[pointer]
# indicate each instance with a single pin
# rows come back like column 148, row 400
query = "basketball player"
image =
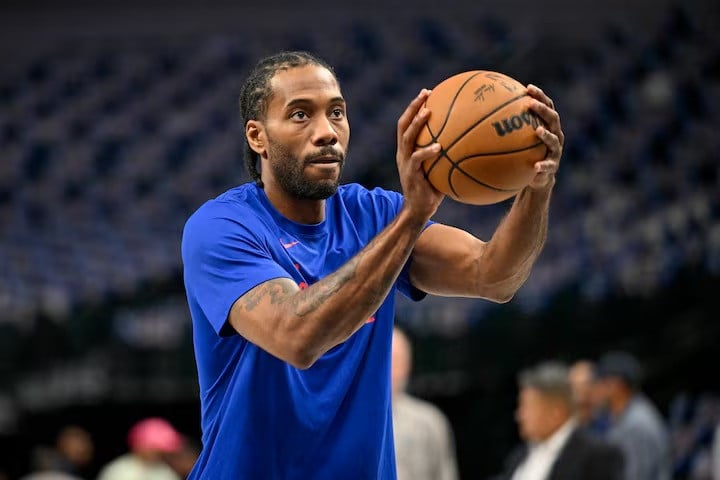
column 291, row 280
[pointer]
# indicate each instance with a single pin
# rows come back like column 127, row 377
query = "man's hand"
column 420, row 196
column 551, row 134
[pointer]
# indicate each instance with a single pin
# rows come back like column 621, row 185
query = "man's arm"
column 449, row 261
column 298, row 326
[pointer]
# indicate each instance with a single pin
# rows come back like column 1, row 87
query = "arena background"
column 119, row 118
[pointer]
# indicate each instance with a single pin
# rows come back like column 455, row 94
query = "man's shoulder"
column 356, row 190
column 361, row 201
column 586, row 454
column 241, row 196
column 237, row 213
column 239, row 203
column 641, row 413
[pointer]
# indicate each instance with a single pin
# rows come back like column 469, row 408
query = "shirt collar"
column 557, row 440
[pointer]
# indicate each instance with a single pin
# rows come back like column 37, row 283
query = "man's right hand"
column 421, row 198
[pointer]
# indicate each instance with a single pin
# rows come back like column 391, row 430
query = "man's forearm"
column 331, row 310
column 518, row 240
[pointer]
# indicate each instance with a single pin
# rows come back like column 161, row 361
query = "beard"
column 289, row 172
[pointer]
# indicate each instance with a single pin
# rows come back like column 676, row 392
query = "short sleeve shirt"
column 261, row 417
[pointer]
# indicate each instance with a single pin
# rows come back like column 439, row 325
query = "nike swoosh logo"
column 289, row 244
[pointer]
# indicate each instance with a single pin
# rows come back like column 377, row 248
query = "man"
column 587, row 407
column 556, row 449
column 291, row 280
column 424, row 444
column 70, row 458
column 636, row 426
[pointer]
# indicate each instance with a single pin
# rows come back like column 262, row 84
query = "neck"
column 298, row 210
column 554, row 428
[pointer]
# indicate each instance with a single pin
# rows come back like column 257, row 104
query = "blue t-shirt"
column 261, row 417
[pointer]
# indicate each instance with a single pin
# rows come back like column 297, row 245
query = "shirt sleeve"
column 395, row 201
column 223, row 258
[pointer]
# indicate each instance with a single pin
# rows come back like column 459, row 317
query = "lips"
column 325, row 159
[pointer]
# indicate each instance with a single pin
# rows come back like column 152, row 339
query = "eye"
column 337, row 112
column 298, row 115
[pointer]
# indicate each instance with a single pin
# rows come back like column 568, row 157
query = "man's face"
column 307, row 133
column 538, row 415
column 585, row 392
column 606, row 389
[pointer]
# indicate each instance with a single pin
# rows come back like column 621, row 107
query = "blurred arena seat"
column 108, row 147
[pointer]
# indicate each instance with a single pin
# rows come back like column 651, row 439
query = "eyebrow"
column 306, row 101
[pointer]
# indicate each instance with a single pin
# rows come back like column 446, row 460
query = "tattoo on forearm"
column 276, row 290
column 311, row 299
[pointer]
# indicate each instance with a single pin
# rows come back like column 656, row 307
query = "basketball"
column 483, row 122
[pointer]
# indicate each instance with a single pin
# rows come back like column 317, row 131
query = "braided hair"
column 256, row 92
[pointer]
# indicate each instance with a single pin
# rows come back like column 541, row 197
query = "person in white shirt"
column 149, row 440
column 424, row 440
column 554, row 448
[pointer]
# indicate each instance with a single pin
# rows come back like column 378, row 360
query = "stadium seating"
column 108, row 147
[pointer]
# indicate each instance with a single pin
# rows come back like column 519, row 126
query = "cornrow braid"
column 256, row 92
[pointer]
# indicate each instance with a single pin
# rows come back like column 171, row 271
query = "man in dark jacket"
column 554, row 448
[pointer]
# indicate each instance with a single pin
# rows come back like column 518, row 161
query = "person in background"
column 636, row 426
column 47, row 475
column 554, row 447
column 588, row 411
column 69, row 458
column 184, row 459
column 424, row 441
column 150, row 441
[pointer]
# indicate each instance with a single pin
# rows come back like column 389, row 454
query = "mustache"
column 327, row 151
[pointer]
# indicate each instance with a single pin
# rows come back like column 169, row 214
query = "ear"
column 256, row 138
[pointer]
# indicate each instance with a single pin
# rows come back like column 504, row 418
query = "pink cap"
column 154, row 434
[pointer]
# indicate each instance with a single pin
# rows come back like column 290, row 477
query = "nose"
column 324, row 132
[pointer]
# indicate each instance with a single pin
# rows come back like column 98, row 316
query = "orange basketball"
column 483, row 122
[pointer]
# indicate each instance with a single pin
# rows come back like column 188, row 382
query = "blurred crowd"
column 592, row 420
column 155, row 451
column 87, row 128
column 587, row 419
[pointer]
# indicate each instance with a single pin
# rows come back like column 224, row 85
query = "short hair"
column 256, row 92
column 550, row 378
column 621, row 365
